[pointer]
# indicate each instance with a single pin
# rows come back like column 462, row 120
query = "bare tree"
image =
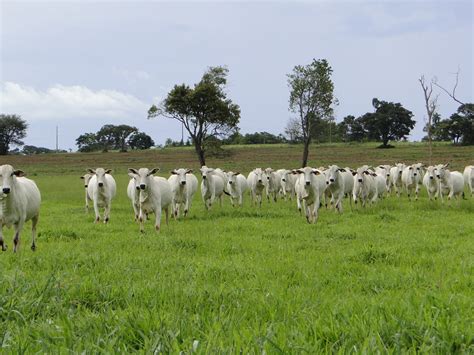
column 452, row 94
column 431, row 104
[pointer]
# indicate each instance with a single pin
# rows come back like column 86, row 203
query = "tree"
column 390, row 121
column 106, row 137
column 351, row 129
column 140, row 140
column 452, row 94
column 293, row 131
column 31, row 149
column 12, row 131
column 205, row 111
column 430, row 105
column 311, row 97
column 87, row 142
column 121, row 133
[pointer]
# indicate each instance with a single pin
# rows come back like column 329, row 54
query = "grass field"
column 395, row 277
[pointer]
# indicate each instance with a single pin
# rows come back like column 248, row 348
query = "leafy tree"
column 390, row 121
column 293, row 131
column 140, row 140
column 204, row 110
column 311, row 97
column 12, row 131
column 87, row 142
column 121, row 133
column 106, row 137
column 351, row 129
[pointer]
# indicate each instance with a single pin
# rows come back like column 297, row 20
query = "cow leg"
column 107, row 211
column 16, row 239
column 167, row 215
column 34, row 222
column 96, row 210
column 339, row 203
column 157, row 218
column 141, row 217
column 240, row 200
column 2, row 242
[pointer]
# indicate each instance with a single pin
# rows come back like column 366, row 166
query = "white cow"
column 20, row 201
column 212, row 186
column 469, row 178
column 102, row 190
column 155, row 195
column 288, row 181
column 256, row 181
column 310, row 187
column 236, row 186
column 86, row 179
column 365, row 186
column 133, row 193
column 431, row 183
column 451, row 183
column 396, row 177
column 339, row 182
column 273, row 184
column 384, row 170
column 411, row 178
column 183, row 187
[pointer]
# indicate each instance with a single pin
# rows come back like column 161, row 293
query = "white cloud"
column 72, row 102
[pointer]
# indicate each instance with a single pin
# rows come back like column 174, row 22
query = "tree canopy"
column 311, row 99
column 204, row 110
column 110, row 136
column 12, row 131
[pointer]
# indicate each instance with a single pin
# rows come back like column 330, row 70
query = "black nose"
column 400, row 173
column 137, row 187
column 142, row 186
column 268, row 177
column 6, row 190
column 414, row 174
column 332, row 180
column 183, row 182
column 101, row 184
column 360, row 180
column 284, row 180
column 431, row 177
column 438, row 176
column 85, row 186
column 327, row 182
column 307, row 183
column 259, row 180
column 204, row 177
column 230, row 182
column 388, row 174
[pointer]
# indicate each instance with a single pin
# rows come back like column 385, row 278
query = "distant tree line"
column 112, row 137
column 458, row 128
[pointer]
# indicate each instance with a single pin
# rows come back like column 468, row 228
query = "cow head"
column 8, row 177
column 142, row 176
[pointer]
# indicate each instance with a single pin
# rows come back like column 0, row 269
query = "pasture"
column 393, row 277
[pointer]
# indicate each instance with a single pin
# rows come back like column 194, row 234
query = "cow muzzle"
column 360, row 180
column 183, row 182
column 6, row 190
column 101, row 184
column 142, row 186
column 308, row 183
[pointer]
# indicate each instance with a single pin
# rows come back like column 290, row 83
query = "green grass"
column 395, row 277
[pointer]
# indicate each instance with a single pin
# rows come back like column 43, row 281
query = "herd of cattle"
column 20, row 197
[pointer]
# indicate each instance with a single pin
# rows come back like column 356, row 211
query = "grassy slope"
column 394, row 276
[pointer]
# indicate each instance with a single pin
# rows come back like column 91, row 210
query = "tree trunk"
column 200, row 153
column 306, row 152
column 385, row 142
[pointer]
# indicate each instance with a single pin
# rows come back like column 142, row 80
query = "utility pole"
column 57, row 139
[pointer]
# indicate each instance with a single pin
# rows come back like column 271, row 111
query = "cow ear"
column 342, row 170
column 237, row 173
column 354, row 173
column 132, row 171
column 366, row 172
column 108, row 171
column 92, row 171
column 173, row 172
column 189, row 171
column 132, row 175
column 374, row 174
column 19, row 173
column 316, row 172
column 82, row 177
column 153, row 171
column 445, row 165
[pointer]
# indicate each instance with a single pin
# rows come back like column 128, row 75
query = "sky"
column 81, row 64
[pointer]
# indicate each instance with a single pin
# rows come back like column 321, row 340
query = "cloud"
column 68, row 102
